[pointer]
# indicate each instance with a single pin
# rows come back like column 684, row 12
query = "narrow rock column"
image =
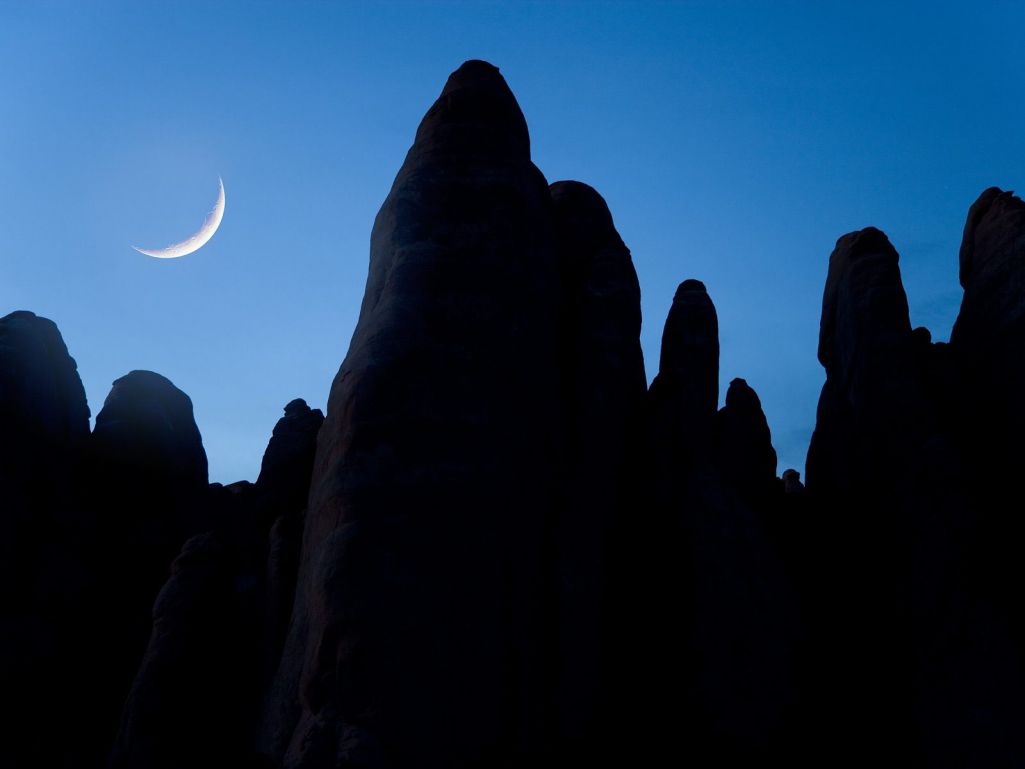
column 604, row 386
column 46, row 534
column 148, row 489
column 684, row 395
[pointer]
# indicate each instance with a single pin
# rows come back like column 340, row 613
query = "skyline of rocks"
column 501, row 547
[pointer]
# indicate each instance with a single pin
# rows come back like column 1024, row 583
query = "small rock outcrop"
column 746, row 456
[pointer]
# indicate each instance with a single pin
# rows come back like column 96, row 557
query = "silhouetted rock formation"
column 173, row 717
column 987, row 346
column 684, row 395
column 44, row 570
column 602, row 372
column 887, row 471
column 430, row 507
column 219, row 622
column 44, row 423
column 500, row 549
column 746, row 456
column 147, row 491
column 726, row 654
column 282, row 488
column 792, row 483
column 146, row 437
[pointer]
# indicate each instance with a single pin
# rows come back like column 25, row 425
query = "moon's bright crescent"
column 197, row 241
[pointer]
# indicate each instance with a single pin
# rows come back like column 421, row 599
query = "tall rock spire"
column 45, row 564
column 604, row 384
column 684, row 396
column 428, row 529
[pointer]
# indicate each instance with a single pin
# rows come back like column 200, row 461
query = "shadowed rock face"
column 430, row 506
column 288, row 460
column 684, row 396
column 149, row 479
column 219, row 621
column 690, row 349
column 44, row 422
column 191, row 654
column 282, row 488
column 723, row 633
column 746, row 454
column 989, row 336
column 145, row 432
column 42, row 403
column 871, row 419
column 604, row 384
column 148, row 488
column 887, row 469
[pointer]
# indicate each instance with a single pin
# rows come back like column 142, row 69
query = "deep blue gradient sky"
column 734, row 142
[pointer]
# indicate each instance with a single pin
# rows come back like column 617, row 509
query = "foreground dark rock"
column 219, row 621
column 726, row 619
column 602, row 376
column 887, row 468
column 986, row 347
column 44, row 568
column 432, row 494
column 500, row 549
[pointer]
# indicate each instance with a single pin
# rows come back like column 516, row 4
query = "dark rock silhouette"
column 288, row 460
column 986, row 347
column 792, row 483
column 147, row 486
column 172, row 717
column 500, row 549
column 872, row 421
column 282, row 489
column 219, row 621
column 602, row 371
column 145, row 433
column 44, row 570
column 746, row 455
column 685, row 392
column 727, row 651
column 45, row 422
column 429, row 518
column 887, row 470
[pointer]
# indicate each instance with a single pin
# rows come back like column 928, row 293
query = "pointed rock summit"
column 684, row 395
column 602, row 374
column 745, row 444
column 690, row 349
column 426, row 543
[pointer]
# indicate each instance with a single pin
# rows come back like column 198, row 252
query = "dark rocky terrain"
column 500, row 548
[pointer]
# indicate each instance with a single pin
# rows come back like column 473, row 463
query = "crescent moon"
column 199, row 239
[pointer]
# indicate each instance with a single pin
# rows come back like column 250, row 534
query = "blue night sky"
column 734, row 142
